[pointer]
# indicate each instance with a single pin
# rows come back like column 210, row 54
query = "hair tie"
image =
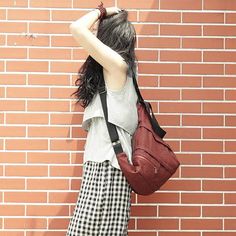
column 102, row 11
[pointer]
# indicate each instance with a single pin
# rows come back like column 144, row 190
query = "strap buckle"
column 115, row 143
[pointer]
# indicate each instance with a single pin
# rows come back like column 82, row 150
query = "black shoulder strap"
column 111, row 127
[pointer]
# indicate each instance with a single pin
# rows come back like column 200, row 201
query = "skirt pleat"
column 104, row 201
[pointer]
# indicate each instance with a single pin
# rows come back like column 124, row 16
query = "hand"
column 112, row 10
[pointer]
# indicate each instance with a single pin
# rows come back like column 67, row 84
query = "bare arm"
column 104, row 55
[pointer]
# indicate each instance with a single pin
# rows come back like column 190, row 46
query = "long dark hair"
column 117, row 32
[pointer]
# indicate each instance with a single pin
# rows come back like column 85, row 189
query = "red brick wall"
column 186, row 52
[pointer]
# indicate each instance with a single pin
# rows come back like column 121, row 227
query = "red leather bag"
column 153, row 160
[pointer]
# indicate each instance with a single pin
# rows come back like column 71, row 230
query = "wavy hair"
column 117, row 32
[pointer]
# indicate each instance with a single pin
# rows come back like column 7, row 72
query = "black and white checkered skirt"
column 103, row 205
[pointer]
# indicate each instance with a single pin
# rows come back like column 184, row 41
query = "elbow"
column 75, row 28
column 72, row 27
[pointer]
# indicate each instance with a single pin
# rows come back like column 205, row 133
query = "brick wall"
column 186, row 52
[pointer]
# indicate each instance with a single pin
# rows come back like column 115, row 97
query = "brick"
column 202, row 94
column 230, row 18
column 9, row 79
column 230, row 43
column 48, row 157
column 179, row 211
column 49, row 53
column 161, row 94
column 148, row 4
column 230, row 120
column 198, row 17
column 49, row 28
column 52, row 132
column 230, row 69
column 161, row 197
column 202, row 198
column 181, row 4
column 51, row 3
column 219, row 5
column 157, row 224
column 13, row 27
column 48, row 79
column 12, row 105
column 202, row 120
column 26, row 170
column 219, row 211
column 164, row 17
column 184, row 133
column 12, row 183
column 39, row 210
column 61, row 92
column 185, row 185
column 178, row 233
column 220, row 56
column 26, row 144
column 12, row 210
column 230, row 146
column 159, row 68
column 66, row 119
column 223, row 233
column 216, row 107
column 172, row 55
column 66, row 171
column 24, row 92
column 230, row 172
column 203, row 69
column 180, row 81
column 25, row 196
column 202, row 43
column 180, row 107
column 71, row 145
column 12, row 157
column 67, row 66
column 218, row 159
column 12, row 131
column 147, row 55
column 229, row 224
column 202, row 172
column 201, row 224
column 230, row 198
column 202, row 146
column 180, row 30
column 143, row 211
column 219, row 82
column 48, row 105
column 26, row 118
column 155, row 42
column 10, row 3
column 27, row 66
column 28, row 14
column 22, row 40
column 219, row 133
column 218, row 185
column 146, row 29
column 219, row 30
column 50, row 184
column 13, row 53
column 18, row 223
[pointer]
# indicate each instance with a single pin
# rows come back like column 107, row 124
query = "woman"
column 103, row 205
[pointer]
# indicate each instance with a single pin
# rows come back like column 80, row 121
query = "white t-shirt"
column 122, row 112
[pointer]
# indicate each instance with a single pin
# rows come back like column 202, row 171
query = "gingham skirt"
column 103, row 205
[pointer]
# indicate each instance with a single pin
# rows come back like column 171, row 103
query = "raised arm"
column 103, row 54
